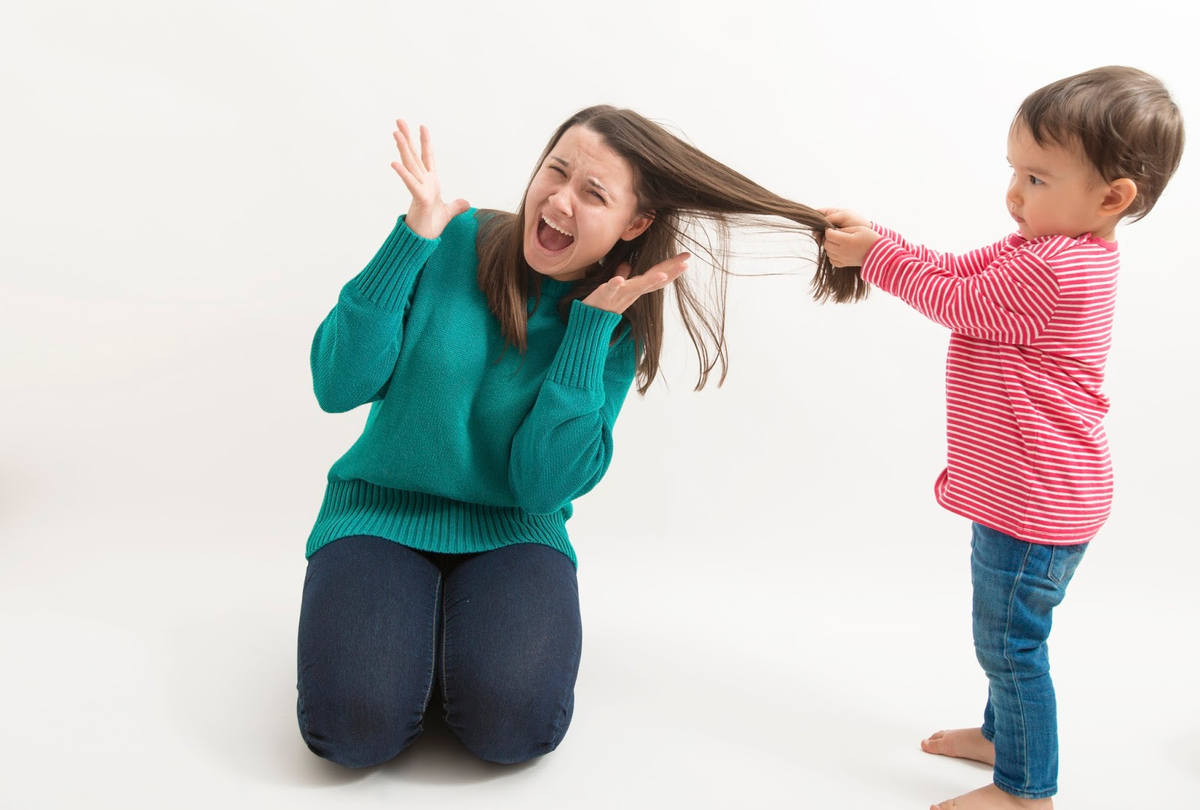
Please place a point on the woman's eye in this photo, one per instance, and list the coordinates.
(597, 195)
(558, 170)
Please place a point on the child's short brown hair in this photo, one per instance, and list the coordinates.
(1123, 118)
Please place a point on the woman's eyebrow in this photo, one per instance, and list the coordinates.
(566, 164)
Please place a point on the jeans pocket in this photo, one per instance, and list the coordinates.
(1063, 562)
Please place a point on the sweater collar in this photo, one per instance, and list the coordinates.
(553, 288)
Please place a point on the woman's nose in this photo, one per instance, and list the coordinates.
(561, 200)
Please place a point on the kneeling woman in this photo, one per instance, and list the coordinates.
(496, 350)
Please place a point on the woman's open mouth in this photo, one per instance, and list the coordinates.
(552, 238)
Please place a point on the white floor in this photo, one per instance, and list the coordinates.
(772, 654)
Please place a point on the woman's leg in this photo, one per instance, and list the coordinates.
(367, 649)
(510, 651)
(1016, 586)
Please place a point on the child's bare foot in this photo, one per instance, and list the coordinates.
(963, 743)
(992, 798)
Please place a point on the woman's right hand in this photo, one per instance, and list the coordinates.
(428, 215)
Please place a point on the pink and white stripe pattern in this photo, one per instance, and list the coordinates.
(1031, 324)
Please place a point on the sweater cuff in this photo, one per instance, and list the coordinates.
(584, 348)
(389, 277)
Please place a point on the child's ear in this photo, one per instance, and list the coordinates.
(1119, 195)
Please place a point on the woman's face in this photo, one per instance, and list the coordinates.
(581, 201)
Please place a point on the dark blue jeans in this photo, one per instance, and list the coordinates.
(1016, 586)
(381, 623)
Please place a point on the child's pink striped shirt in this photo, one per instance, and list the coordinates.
(1031, 324)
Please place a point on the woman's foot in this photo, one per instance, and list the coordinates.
(963, 743)
(992, 798)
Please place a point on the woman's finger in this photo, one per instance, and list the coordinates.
(655, 280)
(407, 154)
(427, 150)
(406, 176)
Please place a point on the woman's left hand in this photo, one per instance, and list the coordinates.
(619, 292)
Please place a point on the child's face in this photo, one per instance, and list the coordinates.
(1054, 191)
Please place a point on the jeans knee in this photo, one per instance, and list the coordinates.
(990, 659)
(357, 734)
(509, 733)
(1023, 664)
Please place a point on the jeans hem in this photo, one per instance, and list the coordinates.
(1025, 794)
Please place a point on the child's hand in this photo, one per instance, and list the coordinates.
(844, 217)
(848, 246)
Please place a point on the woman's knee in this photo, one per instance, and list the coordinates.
(512, 725)
(357, 730)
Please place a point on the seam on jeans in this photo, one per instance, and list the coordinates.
(1050, 566)
(437, 599)
(1012, 597)
(445, 688)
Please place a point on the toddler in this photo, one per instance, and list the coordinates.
(1030, 319)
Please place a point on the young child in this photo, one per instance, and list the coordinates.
(1030, 320)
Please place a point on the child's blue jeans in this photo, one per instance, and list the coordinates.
(1016, 587)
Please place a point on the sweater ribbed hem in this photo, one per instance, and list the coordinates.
(390, 275)
(430, 522)
(584, 348)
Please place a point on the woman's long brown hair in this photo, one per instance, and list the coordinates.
(695, 200)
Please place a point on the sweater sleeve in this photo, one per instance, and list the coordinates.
(965, 265)
(563, 447)
(355, 348)
(1010, 302)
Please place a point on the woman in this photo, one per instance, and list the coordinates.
(496, 350)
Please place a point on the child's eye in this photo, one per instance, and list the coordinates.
(1035, 181)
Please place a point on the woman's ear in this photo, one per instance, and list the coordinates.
(639, 225)
(1118, 197)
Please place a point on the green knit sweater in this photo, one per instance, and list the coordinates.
(469, 445)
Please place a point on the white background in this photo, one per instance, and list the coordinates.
(775, 609)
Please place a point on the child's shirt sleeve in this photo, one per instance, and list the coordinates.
(1010, 299)
(968, 264)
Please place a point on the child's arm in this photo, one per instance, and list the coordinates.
(1010, 302)
(966, 265)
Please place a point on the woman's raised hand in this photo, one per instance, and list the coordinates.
(428, 215)
(619, 292)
